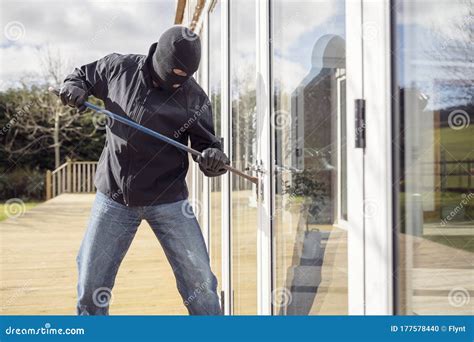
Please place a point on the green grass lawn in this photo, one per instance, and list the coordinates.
(458, 143)
(465, 243)
(3, 209)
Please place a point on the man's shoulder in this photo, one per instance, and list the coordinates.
(194, 88)
(117, 61)
(197, 99)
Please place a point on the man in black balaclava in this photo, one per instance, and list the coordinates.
(175, 51)
(139, 177)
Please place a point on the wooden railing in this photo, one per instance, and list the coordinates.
(71, 177)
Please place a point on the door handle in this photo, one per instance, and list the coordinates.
(360, 124)
(257, 167)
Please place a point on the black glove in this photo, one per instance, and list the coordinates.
(212, 162)
(73, 96)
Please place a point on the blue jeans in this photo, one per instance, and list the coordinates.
(111, 229)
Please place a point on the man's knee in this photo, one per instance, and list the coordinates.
(202, 299)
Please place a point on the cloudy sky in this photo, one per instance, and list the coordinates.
(81, 31)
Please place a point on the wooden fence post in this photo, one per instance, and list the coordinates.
(48, 184)
(68, 175)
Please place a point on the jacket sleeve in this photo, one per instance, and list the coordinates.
(92, 77)
(201, 131)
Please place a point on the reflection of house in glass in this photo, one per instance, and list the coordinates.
(315, 106)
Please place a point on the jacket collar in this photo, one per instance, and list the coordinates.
(146, 66)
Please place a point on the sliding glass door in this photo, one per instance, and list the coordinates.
(433, 152)
(291, 73)
(310, 222)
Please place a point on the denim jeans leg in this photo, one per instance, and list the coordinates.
(178, 232)
(110, 232)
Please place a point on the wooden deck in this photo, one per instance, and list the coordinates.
(38, 272)
(38, 269)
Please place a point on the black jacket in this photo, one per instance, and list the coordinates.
(134, 168)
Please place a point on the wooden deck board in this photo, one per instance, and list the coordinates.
(38, 268)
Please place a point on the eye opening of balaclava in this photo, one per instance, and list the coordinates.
(177, 48)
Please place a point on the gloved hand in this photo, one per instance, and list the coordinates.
(212, 162)
(73, 96)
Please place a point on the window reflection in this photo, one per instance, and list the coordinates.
(434, 154)
(310, 251)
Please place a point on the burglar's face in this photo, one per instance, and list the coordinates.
(176, 57)
(179, 72)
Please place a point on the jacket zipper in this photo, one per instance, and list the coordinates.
(139, 114)
(128, 178)
(127, 185)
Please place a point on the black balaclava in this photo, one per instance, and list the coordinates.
(177, 48)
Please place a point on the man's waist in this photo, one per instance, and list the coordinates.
(141, 194)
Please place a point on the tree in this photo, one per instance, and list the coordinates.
(34, 121)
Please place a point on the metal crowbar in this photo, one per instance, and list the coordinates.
(157, 135)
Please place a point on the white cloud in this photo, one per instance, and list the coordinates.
(292, 19)
(289, 74)
(81, 31)
(450, 19)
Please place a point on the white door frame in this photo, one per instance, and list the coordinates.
(376, 28)
(204, 82)
(227, 135)
(355, 160)
(264, 145)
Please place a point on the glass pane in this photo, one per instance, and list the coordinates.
(435, 156)
(244, 148)
(215, 72)
(310, 251)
